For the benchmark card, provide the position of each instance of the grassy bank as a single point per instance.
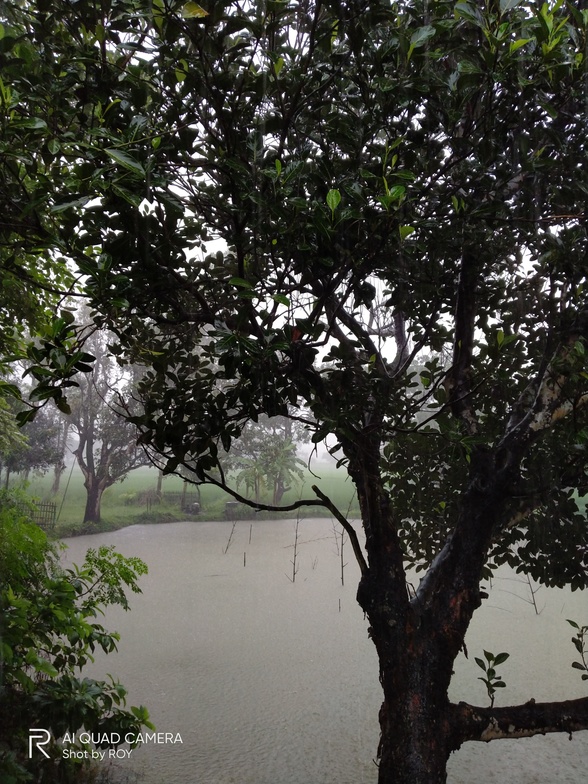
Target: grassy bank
(131, 502)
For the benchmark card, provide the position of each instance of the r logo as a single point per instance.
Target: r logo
(38, 737)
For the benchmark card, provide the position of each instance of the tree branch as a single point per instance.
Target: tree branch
(518, 721)
(208, 479)
(347, 527)
(550, 405)
(459, 380)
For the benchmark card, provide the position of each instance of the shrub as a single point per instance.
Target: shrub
(48, 632)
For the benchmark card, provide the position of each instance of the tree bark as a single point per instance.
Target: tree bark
(94, 490)
(518, 721)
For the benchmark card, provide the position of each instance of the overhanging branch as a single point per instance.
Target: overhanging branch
(208, 479)
(326, 501)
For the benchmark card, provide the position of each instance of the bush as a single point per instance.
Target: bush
(48, 632)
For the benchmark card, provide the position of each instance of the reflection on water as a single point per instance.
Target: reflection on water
(269, 680)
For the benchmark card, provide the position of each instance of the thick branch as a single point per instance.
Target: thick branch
(518, 721)
(449, 592)
(550, 403)
(459, 380)
(336, 310)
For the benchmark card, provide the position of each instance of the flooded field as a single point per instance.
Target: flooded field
(270, 680)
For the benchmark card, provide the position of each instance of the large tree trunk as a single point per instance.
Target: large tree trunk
(94, 489)
(416, 734)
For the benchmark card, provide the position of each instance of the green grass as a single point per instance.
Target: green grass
(121, 507)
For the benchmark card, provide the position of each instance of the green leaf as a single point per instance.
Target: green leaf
(30, 123)
(63, 405)
(333, 200)
(518, 44)
(9, 390)
(241, 283)
(508, 5)
(24, 417)
(419, 38)
(397, 192)
(70, 203)
(470, 12)
(422, 35)
(406, 231)
(125, 160)
(181, 71)
(193, 11)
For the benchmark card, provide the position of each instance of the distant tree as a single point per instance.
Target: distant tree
(43, 447)
(265, 456)
(391, 180)
(107, 444)
(12, 440)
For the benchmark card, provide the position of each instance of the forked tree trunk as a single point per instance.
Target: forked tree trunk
(417, 638)
(415, 671)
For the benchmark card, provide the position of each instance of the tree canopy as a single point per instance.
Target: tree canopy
(400, 190)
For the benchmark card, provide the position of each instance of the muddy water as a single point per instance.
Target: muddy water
(269, 679)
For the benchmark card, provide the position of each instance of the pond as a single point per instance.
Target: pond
(272, 679)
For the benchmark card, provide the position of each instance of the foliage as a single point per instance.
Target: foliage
(265, 456)
(491, 680)
(49, 632)
(357, 165)
(391, 181)
(40, 446)
(11, 438)
(580, 642)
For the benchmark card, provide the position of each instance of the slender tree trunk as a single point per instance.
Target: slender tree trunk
(280, 490)
(60, 465)
(58, 470)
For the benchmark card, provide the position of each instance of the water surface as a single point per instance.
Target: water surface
(272, 680)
